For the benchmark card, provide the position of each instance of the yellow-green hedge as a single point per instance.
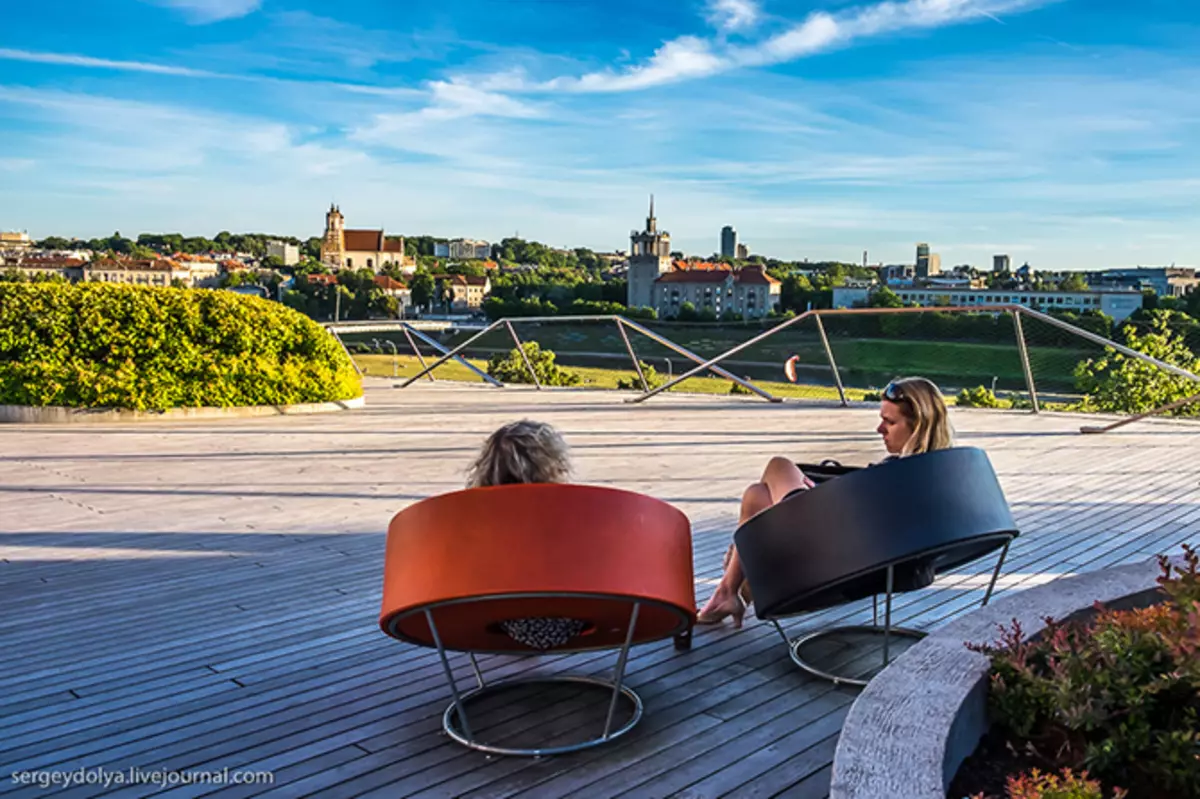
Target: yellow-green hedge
(96, 345)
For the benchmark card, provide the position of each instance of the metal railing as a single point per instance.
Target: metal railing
(712, 365)
(623, 325)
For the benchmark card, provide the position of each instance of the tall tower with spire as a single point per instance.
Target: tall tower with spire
(649, 257)
(333, 245)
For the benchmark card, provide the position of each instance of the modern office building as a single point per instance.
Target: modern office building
(729, 242)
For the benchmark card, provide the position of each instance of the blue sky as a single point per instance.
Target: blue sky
(1063, 132)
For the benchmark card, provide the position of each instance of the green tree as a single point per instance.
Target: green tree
(884, 297)
(511, 368)
(1122, 384)
(422, 288)
(687, 313)
(1074, 282)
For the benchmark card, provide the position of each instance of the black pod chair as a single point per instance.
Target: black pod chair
(879, 530)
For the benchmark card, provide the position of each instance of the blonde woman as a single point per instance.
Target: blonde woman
(913, 420)
(521, 452)
(527, 452)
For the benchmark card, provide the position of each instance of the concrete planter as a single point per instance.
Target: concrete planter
(57, 414)
(914, 724)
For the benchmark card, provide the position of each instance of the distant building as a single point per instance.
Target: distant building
(288, 253)
(1001, 263)
(359, 249)
(729, 242)
(743, 252)
(927, 263)
(137, 272)
(649, 257)
(45, 266)
(15, 240)
(748, 292)
(1117, 304)
(467, 292)
(1166, 281)
(898, 274)
(441, 249)
(468, 249)
(394, 288)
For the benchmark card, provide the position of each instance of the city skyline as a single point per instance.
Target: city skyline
(1049, 130)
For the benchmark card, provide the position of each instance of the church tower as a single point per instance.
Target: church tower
(333, 246)
(649, 257)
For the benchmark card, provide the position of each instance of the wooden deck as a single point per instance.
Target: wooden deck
(203, 596)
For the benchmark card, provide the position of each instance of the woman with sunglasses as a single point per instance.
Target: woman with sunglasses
(913, 420)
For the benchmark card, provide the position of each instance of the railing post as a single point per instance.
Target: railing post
(709, 365)
(628, 346)
(524, 357)
(420, 357)
(451, 354)
(1025, 359)
(346, 350)
(832, 363)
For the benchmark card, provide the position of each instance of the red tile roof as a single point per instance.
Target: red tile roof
(704, 272)
(322, 279)
(157, 265)
(386, 283)
(371, 241)
(755, 276)
(695, 276)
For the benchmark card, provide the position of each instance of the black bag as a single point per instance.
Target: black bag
(825, 470)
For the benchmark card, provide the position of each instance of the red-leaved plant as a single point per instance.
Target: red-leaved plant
(1118, 696)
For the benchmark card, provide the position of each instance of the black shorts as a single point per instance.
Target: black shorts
(793, 493)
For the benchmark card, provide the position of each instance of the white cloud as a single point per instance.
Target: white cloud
(202, 12)
(679, 59)
(733, 15)
(67, 59)
(689, 57)
(448, 101)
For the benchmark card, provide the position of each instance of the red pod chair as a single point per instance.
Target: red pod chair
(538, 569)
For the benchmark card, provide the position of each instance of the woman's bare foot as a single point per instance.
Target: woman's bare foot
(719, 606)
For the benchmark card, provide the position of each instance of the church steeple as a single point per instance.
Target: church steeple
(651, 222)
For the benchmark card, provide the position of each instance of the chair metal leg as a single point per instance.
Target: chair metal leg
(995, 575)
(458, 707)
(478, 673)
(620, 672)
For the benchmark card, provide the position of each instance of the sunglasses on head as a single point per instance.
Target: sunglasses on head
(894, 393)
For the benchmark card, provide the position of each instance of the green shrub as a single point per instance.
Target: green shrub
(738, 388)
(1020, 402)
(511, 368)
(1118, 383)
(1118, 696)
(978, 397)
(1067, 785)
(98, 345)
(653, 378)
(872, 396)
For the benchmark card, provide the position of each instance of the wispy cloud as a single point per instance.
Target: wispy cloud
(67, 59)
(202, 12)
(733, 15)
(689, 57)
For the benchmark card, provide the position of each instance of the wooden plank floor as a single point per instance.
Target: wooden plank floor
(202, 596)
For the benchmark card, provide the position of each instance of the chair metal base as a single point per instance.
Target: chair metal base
(457, 708)
(795, 646)
(885, 631)
(467, 739)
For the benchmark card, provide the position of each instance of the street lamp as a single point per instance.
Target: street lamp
(395, 366)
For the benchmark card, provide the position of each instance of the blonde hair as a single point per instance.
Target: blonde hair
(922, 405)
(521, 452)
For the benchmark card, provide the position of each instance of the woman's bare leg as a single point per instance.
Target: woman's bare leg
(725, 600)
